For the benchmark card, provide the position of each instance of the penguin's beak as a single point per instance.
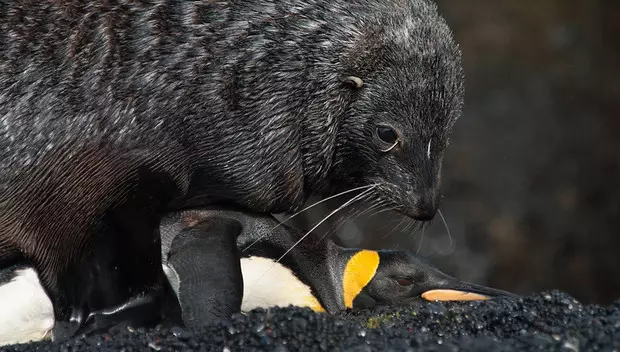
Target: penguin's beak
(442, 287)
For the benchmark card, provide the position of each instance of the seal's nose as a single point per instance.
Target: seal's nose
(426, 205)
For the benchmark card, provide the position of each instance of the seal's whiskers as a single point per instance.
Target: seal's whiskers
(411, 225)
(324, 200)
(421, 239)
(402, 221)
(354, 199)
(367, 187)
(447, 230)
(358, 213)
(341, 221)
(376, 206)
(377, 212)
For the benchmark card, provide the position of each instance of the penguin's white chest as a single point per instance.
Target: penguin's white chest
(26, 313)
(269, 284)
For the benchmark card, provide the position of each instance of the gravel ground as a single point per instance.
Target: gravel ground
(544, 322)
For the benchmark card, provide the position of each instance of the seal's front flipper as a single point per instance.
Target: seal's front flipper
(64, 330)
(108, 270)
(204, 270)
(141, 310)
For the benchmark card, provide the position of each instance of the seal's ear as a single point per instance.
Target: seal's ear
(353, 82)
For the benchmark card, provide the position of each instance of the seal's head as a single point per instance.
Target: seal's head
(406, 83)
(322, 96)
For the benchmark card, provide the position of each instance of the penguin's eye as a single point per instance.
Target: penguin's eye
(387, 138)
(404, 282)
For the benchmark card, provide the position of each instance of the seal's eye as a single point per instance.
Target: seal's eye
(404, 282)
(387, 137)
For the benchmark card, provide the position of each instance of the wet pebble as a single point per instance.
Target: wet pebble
(259, 327)
(180, 333)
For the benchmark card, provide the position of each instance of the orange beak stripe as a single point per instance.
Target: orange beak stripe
(452, 295)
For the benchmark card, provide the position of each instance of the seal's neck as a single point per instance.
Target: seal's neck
(322, 120)
(318, 147)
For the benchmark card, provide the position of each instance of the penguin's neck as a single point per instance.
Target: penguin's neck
(359, 267)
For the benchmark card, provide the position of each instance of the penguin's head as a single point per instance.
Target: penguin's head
(376, 278)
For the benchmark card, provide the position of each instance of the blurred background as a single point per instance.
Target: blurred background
(531, 179)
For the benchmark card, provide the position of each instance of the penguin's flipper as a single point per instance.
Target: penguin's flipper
(204, 269)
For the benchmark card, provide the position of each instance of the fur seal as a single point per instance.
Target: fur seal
(114, 113)
(316, 273)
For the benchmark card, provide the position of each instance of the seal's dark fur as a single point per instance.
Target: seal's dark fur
(114, 112)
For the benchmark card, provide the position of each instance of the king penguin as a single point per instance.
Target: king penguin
(279, 266)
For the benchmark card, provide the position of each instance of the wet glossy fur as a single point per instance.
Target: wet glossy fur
(115, 112)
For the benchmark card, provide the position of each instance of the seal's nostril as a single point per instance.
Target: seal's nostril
(426, 205)
(425, 214)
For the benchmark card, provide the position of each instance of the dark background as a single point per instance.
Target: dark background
(531, 179)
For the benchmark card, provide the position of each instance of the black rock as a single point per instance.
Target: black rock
(545, 322)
